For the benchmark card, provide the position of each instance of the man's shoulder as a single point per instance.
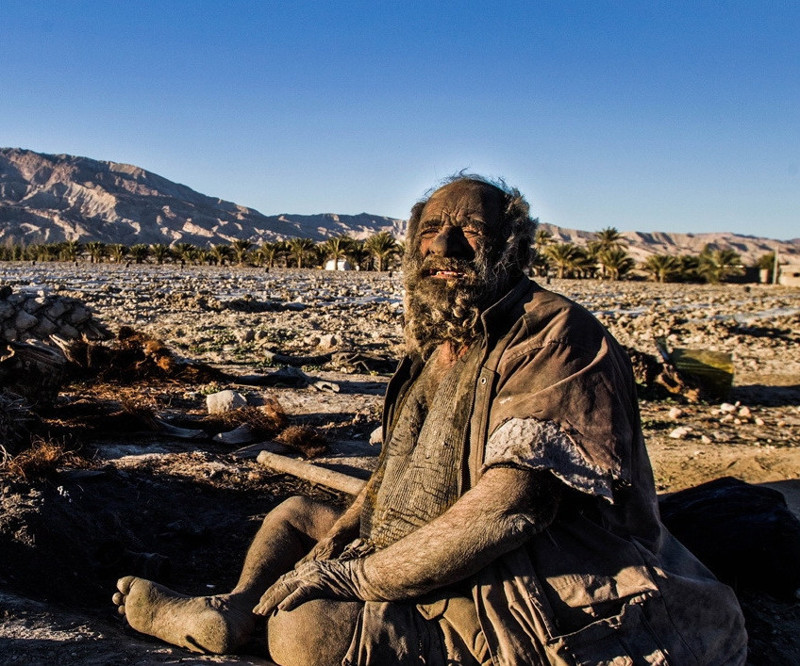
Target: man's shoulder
(544, 309)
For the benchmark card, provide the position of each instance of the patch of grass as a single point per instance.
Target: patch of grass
(41, 461)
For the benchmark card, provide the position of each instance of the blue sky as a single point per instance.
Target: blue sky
(669, 116)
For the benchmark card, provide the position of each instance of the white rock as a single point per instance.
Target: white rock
(675, 413)
(744, 412)
(224, 401)
(680, 432)
(727, 408)
(758, 421)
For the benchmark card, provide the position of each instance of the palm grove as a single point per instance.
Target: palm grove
(605, 256)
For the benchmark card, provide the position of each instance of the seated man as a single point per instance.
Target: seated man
(512, 518)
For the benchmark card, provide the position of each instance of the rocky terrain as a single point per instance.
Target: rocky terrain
(184, 510)
(51, 198)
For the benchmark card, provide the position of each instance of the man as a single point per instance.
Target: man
(512, 518)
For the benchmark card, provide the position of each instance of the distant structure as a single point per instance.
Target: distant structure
(340, 265)
(789, 274)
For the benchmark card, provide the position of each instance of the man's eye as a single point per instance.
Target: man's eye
(473, 230)
(429, 232)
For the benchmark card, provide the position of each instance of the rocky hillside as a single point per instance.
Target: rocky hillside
(50, 198)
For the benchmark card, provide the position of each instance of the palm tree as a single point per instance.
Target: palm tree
(615, 262)
(266, 254)
(716, 265)
(139, 253)
(565, 256)
(240, 247)
(541, 239)
(220, 253)
(382, 246)
(160, 252)
(96, 250)
(117, 252)
(183, 252)
(70, 250)
(336, 249)
(663, 267)
(300, 249)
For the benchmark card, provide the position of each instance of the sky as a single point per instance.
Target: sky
(649, 116)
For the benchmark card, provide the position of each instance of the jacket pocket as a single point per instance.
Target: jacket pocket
(626, 639)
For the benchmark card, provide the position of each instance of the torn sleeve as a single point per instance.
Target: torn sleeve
(536, 444)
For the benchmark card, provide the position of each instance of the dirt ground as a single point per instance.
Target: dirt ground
(182, 511)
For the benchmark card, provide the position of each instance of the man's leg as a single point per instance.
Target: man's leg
(222, 622)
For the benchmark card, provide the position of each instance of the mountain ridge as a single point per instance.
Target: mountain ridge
(49, 198)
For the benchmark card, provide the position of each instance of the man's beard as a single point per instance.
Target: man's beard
(436, 310)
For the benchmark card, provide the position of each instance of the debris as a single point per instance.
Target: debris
(745, 534)
(33, 370)
(312, 473)
(303, 439)
(241, 435)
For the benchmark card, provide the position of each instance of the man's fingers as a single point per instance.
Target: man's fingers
(298, 597)
(276, 593)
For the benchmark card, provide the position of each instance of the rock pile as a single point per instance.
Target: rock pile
(37, 315)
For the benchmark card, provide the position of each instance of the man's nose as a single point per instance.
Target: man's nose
(451, 242)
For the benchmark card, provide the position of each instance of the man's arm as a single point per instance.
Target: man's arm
(504, 509)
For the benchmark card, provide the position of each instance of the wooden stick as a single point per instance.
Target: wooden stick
(313, 473)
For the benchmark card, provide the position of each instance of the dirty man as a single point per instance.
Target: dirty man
(512, 518)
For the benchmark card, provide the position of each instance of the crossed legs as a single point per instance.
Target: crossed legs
(223, 622)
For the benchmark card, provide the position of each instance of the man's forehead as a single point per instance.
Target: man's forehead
(464, 196)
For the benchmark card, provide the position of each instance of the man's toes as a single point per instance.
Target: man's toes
(118, 598)
(124, 584)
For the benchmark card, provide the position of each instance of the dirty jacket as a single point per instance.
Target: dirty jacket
(605, 583)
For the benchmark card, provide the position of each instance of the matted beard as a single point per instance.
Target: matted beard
(436, 312)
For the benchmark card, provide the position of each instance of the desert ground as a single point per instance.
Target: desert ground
(142, 501)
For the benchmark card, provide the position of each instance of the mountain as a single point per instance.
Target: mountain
(50, 198)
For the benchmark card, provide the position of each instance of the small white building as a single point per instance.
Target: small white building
(340, 265)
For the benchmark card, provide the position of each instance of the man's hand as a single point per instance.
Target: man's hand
(330, 579)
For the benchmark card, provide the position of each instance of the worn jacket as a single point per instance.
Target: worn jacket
(606, 583)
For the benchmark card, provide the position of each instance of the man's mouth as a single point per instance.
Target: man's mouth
(442, 274)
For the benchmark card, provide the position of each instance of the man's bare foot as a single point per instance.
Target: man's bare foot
(217, 624)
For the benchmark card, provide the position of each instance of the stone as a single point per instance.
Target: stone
(675, 413)
(680, 432)
(245, 335)
(727, 408)
(224, 401)
(328, 341)
(24, 321)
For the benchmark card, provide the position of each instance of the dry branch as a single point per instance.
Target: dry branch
(313, 473)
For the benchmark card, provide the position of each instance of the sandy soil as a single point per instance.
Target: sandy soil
(183, 511)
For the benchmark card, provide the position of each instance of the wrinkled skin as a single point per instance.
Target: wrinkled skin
(459, 259)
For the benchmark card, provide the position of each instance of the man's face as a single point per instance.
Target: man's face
(457, 228)
(451, 268)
